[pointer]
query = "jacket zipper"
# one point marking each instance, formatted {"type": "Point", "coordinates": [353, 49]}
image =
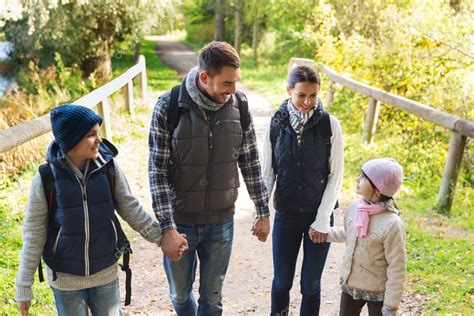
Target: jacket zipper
{"type": "Point", "coordinates": [55, 245]}
{"type": "Point", "coordinates": [209, 165]}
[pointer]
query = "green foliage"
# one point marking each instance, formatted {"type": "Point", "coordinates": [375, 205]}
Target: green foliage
{"type": "Point", "coordinates": [82, 32]}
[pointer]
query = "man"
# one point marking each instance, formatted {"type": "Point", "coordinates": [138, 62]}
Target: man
{"type": "Point", "coordinates": [194, 178]}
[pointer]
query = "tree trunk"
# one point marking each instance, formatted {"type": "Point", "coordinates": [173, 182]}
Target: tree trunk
{"type": "Point", "coordinates": [255, 30]}
{"type": "Point", "coordinates": [103, 71]}
{"type": "Point", "coordinates": [239, 11]}
{"type": "Point", "coordinates": [137, 51]}
{"type": "Point", "coordinates": [219, 31]}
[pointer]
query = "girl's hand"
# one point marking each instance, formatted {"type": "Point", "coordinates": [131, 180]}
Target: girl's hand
{"type": "Point", "coordinates": [317, 237]}
{"type": "Point", "coordinates": [24, 307]}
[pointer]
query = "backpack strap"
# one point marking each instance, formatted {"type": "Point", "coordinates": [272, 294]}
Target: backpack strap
{"type": "Point", "coordinates": [128, 272]}
{"type": "Point", "coordinates": [243, 105]}
{"type": "Point", "coordinates": [275, 127]}
{"type": "Point", "coordinates": [173, 110]}
{"type": "Point", "coordinates": [47, 180]}
{"type": "Point", "coordinates": [125, 266]}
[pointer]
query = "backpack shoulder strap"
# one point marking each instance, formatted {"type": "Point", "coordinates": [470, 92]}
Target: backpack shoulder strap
{"type": "Point", "coordinates": [243, 109]}
{"type": "Point", "coordinates": [110, 170]}
{"type": "Point", "coordinates": [47, 180]}
{"type": "Point", "coordinates": [325, 126]}
{"type": "Point", "coordinates": [275, 127]}
{"type": "Point", "coordinates": [173, 110]}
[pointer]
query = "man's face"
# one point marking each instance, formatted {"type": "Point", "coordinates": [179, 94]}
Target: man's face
{"type": "Point", "coordinates": [221, 86]}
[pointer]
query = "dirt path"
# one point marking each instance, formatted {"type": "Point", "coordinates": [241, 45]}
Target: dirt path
{"type": "Point", "coordinates": [248, 281]}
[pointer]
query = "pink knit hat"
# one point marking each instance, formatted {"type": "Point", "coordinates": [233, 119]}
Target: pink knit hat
{"type": "Point", "coordinates": [385, 173]}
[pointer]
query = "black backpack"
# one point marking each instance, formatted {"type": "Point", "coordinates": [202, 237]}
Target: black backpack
{"type": "Point", "coordinates": [47, 178]}
{"type": "Point", "coordinates": [174, 110]}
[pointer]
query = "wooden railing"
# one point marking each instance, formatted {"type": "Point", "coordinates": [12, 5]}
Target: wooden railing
{"type": "Point", "coordinates": [460, 128]}
{"type": "Point", "coordinates": [21, 133]}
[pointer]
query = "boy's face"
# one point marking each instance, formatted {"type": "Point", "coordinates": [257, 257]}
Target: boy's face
{"type": "Point", "coordinates": [221, 86]}
{"type": "Point", "coordinates": [88, 147]}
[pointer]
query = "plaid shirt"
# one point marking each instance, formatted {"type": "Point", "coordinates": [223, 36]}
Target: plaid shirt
{"type": "Point", "coordinates": [159, 160]}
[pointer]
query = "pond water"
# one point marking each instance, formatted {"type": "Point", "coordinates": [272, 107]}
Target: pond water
{"type": "Point", "coordinates": [5, 82]}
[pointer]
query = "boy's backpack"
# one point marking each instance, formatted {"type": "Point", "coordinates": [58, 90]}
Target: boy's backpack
{"type": "Point", "coordinates": [174, 110]}
{"type": "Point", "coordinates": [47, 178]}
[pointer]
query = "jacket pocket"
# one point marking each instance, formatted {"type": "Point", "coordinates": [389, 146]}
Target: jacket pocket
{"type": "Point", "coordinates": [362, 268]}
{"type": "Point", "coordinates": [56, 241]}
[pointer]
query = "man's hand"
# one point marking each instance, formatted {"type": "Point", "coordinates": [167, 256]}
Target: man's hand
{"type": "Point", "coordinates": [261, 228]}
{"type": "Point", "coordinates": [24, 307]}
{"type": "Point", "coordinates": [317, 237]}
{"type": "Point", "coordinates": [173, 244]}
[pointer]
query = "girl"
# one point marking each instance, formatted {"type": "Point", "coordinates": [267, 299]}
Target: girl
{"type": "Point", "coordinates": [304, 152]}
{"type": "Point", "coordinates": [78, 233]}
{"type": "Point", "coordinates": [374, 266]}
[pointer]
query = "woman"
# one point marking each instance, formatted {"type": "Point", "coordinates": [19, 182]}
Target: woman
{"type": "Point", "coordinates": [304, 154]}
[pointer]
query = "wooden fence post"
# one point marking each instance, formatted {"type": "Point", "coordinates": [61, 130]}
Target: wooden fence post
{"type": "Point", "coordinates": [371, 119]}
{"type": "Point", "coordinates": [104, 110]}
{"type": "Point", "coordinates": [330, 95]}
{"type": "Point", "coordinates": [457, 144]}
{"type": "Point", "coordinates": [129, 103]}
{"type": "Point", "coordinates": [142, 80]}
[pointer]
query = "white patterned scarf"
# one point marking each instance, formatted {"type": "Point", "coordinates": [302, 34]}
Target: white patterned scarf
{"type": "Point", "coordinates": [298, 119]}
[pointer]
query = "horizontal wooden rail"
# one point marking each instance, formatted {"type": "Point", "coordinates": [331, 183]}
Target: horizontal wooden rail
{"type": "Point", "coordinates": [21, 133]}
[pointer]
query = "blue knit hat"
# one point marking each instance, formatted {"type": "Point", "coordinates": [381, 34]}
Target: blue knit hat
{"type": "Point", "coordinates": [70, 123]}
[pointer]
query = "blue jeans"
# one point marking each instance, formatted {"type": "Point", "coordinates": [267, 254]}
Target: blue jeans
{"type": "Point", "coordinates": [101, 300]}
{"type": "Point", "coordinates": [212, 244]}
{"type": "Point", "coordinates": [288, 231]}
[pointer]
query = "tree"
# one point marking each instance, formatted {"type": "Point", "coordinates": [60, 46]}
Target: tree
{"type": "Point", "coordinates": [82, 32]}
{"type": "Point", "coordinates": [239, 11]}
{"type": "Point", "coordinates": [219, 31]}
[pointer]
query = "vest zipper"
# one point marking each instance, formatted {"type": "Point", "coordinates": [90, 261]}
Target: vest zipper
{"type": "Point", "coordinates": [86, 226]}
{"type": "Point", "coordinates": [55, 245]}
{"type": "Point", "coordinates": [115, 231]}
{"type": "Point", "coordinates": [209, 168]}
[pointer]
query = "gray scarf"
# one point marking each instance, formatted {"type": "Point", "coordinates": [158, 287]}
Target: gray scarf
{"type": "Point", "coordinates": [196, 95]}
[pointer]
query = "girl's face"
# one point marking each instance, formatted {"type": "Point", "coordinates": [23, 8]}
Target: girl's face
{"type": "Point", "coordinates": [366, 189]}
{"type": "Point", "coordinates": [88, 147]}
{"type": "Point", "coordinates": [304, 95]}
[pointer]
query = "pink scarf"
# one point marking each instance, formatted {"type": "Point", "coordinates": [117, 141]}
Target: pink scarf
{"type": "Point", "coordinates": [364, 210]}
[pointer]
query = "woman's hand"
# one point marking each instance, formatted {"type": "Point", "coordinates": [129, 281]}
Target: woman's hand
{"type": "Point", "coordinates": [317, 237]}
{"type": "Point", "coordinates": [24, 307]}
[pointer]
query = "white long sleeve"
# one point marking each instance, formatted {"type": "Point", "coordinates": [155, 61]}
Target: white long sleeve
{"type": "Point", "coordinates": [336, 171]}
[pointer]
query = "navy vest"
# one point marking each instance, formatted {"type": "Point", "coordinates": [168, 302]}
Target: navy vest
{"type": "Point", "coordinates": [301, 170]}
{"type": "Point", "coordinates": [84, 235]}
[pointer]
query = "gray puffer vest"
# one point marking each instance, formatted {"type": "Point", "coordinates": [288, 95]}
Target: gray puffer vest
{"type": "Point", "coordinates": [204, 154]}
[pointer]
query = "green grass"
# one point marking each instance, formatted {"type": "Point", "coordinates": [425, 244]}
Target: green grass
{"type": "Point", "coordinates": [13, 198]}
{"type": "Point", "coordinates": [439, 248]}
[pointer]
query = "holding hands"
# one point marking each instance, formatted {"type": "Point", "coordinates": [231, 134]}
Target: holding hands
{"type": "Point", "coordinates": [173, 244]}
{"type": "Point", "coordinates": [317, 237]}
{"type": "Point", "coordinates": [261, 228]}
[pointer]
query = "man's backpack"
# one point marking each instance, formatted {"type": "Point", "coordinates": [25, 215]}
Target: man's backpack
{"type": "Point", "coordinates": [174, 110]}
{"type": "Point", "coordinates": [47, 178]}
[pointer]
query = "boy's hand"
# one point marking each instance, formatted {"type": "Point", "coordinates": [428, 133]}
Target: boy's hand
{"type": "Point", "coordinates": [261, 228]}
{"type": "Point", "coordinates": [24, 307]}
{"type": "Point", "coordinates": [317, 237]}
{"type": "Point", "coordinates": [171, 244]}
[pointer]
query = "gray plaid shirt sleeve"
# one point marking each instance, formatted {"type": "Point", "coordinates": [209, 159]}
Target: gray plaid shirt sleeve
{"type": "Point", "coordinates": [249, 165]}
{"type": "Point", "coordinates": [158, 164]}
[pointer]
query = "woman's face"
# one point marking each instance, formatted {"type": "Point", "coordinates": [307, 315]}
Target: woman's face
{"type": "Point", "coordinates": [304, 95]}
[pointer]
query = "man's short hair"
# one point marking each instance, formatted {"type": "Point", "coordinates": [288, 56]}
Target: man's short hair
{"type": "Point", "coordinates": [216, 55]}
